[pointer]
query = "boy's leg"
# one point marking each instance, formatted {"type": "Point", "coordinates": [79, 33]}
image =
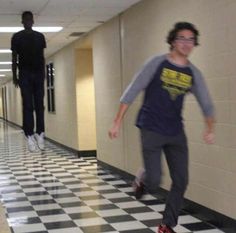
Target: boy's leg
{"type": "Point", "coordinates": [27, 101]}
{"type": "Point", "coordinates": [39, 102]}
{"type": "Point", "coordinates": [177, 159]}
{"type": "Point", "coordinates": [151, 149]}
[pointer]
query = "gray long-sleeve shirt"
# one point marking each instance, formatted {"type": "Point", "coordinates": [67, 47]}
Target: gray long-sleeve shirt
{"type": "Point", "coordinates": [165, 86]}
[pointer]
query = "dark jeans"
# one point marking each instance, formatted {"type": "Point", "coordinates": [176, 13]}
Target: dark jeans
{"type": "Point", "coordinates": [32, 92]}
{"type": "Point", "coordinates": [176, 152]}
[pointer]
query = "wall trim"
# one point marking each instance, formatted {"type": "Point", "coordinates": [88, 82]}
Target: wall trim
{"type": "Point", "coordinates": [87, 153]}
{"type": "Point", "coordinates": [201, 212]}
{"type": "Point", "coordinates": [11, 123]}
{"type": "Point", "coordinates": [80, 153]}
{"type": "Point", "coordinates": [62, 145]}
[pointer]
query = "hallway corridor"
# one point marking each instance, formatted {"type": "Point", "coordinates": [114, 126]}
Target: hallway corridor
{"type": "Point", "coordinates": [57, 192]}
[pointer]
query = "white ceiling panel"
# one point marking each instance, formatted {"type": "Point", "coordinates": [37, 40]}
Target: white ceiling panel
{"type": "Point", "coordinates": [5, 40]}
{"type": "Point", "coordinates": [9, 20]}
{"type": "Point", "coordinates": [108, 3]}
{"type": "Point", "coordinates": [83, 23]}
{"type": "Point", "coordinates": [17, 6]}
{"type": "Point", "coordinates": [54, 20]}
{"type": "Point", "coordinates": [106, 12]}
{"type": "Point", "coordinates": [5, 57]}
{"type": "Point", "coordinates": [62, 8]}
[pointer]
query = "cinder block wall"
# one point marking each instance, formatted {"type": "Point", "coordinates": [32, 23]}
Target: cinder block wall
{"type": "Point", "coordinates": [122, 45]}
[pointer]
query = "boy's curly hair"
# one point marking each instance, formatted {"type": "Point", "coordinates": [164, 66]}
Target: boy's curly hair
{"type": "Point", "coordinates": [179, 27]}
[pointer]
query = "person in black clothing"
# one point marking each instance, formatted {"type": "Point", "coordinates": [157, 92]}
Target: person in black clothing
{"type": "Point", "coordinates": [28, 57]}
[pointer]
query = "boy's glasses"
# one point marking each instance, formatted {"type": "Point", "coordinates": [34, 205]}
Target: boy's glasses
{"type": "Point", "coordinates": [185, 40]}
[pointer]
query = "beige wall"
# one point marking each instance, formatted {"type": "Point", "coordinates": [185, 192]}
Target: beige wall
{"type": "Point", "coordinates": [61, 126]}
{"type": "Point", "coordinates": [85, 100]}
{"type": "Point", "coordinates": [1, 103]}
{"type": "Point", "coordinates": [142, 31]}
{"type": "Point", "coordinates": [108, 86]}
{"type": "Point", "coordinates": [14, 104]}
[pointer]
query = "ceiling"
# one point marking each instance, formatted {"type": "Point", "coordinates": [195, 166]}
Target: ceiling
{"type": "Point", "coordinates": [75, 16]}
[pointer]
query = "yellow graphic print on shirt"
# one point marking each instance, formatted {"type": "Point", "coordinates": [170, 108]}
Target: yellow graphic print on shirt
{"type": "Point", "coordinates": [176, 83]}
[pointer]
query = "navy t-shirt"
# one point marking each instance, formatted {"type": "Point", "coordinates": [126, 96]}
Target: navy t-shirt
{"type": "Point", "coordinates": [165, 85]}
{"type": "Point", "coordinates": [29, 46]}
{"type": "Point", "coordinates": [163, 100]}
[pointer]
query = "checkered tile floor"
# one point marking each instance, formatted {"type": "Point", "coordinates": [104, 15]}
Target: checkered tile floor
{"type": "Point", "coordinates": [55, 191]}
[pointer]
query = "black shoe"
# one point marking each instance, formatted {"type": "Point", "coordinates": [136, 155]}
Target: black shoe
{"type": "Point", "coordinates": [138, 189]}
{"type": "Point", "coordinates": [138, 184]}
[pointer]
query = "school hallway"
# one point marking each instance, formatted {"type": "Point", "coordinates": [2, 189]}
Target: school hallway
{"type": "Point", "coordinates": [55, 191]}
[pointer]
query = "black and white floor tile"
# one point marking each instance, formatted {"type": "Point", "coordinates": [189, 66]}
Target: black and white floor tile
{"type": "Point", "coordinates": [54, 191]}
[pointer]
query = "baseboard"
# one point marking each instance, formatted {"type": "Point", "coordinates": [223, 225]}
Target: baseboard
{"type": "Point", "coordinates": [210, 216]}
{"type": "Point", "coordinates": [62, 145]}
{"type": "Point", "coordinates": [11, 123]}
{"type": "Point", "coordinates": [87, 153]}
{"type": "Point", "coordinates": [125, 175]}
{"type": "Point", "coordinates": [203, 213]}
{"type": "Point", "coordinates": [80, 153]}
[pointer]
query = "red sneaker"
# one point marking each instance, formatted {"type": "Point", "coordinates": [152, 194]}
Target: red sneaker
{"type": "Point", "coordinates": [165, 229]}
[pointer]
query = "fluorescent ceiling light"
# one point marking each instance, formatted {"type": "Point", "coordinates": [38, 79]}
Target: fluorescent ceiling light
{"type": "Point", "coordinates": [2, 75]}
{"type": "Point", "coordinates": [47, 29]}
{"type": "Point", "coordinates": [5, 51]}
{"type": "Point", "coordinates": [5, 70]}
{"type": "Point", "coordinates": [5, 62]}
{"type": "Point", "coordinates": [39, 29]}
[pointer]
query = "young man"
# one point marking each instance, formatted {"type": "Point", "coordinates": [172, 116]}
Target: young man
{"type": "Point", "coordinates": [166, 79]}
{"type": "Point", "coordinates": [28, 56]}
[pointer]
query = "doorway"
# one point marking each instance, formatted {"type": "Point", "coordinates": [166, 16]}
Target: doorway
{"type": "Point", "coordinates": [85, 95]}
{"type": "Point", "coordinates": [3, 103]}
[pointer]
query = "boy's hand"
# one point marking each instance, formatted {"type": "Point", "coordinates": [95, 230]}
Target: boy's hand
{"type": "Point", "coordinates": [209, 137]}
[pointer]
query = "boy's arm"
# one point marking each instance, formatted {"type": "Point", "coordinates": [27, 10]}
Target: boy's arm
{"type": "Point", "coordinates": [139, 83]}
{"type": "Point", "coordinates": [209, 135]}
{"type": "Point", "coordinates": [14, 68]}
{"type": "Point", "coordinates": [115, 129]}
{"type": "Point", "coordinates": [202, 95]}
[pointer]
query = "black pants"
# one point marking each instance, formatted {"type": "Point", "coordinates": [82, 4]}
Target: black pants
{"type": "Point", "coordinates": [32, 92]}
{"type": "Point", "coordinates": [176, 152]}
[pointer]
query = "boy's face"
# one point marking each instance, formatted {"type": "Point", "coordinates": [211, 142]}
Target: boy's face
{"type": "Point", "coordinates": [184, 42]}
{"type": "Point", "coordinates": [28, 21]}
